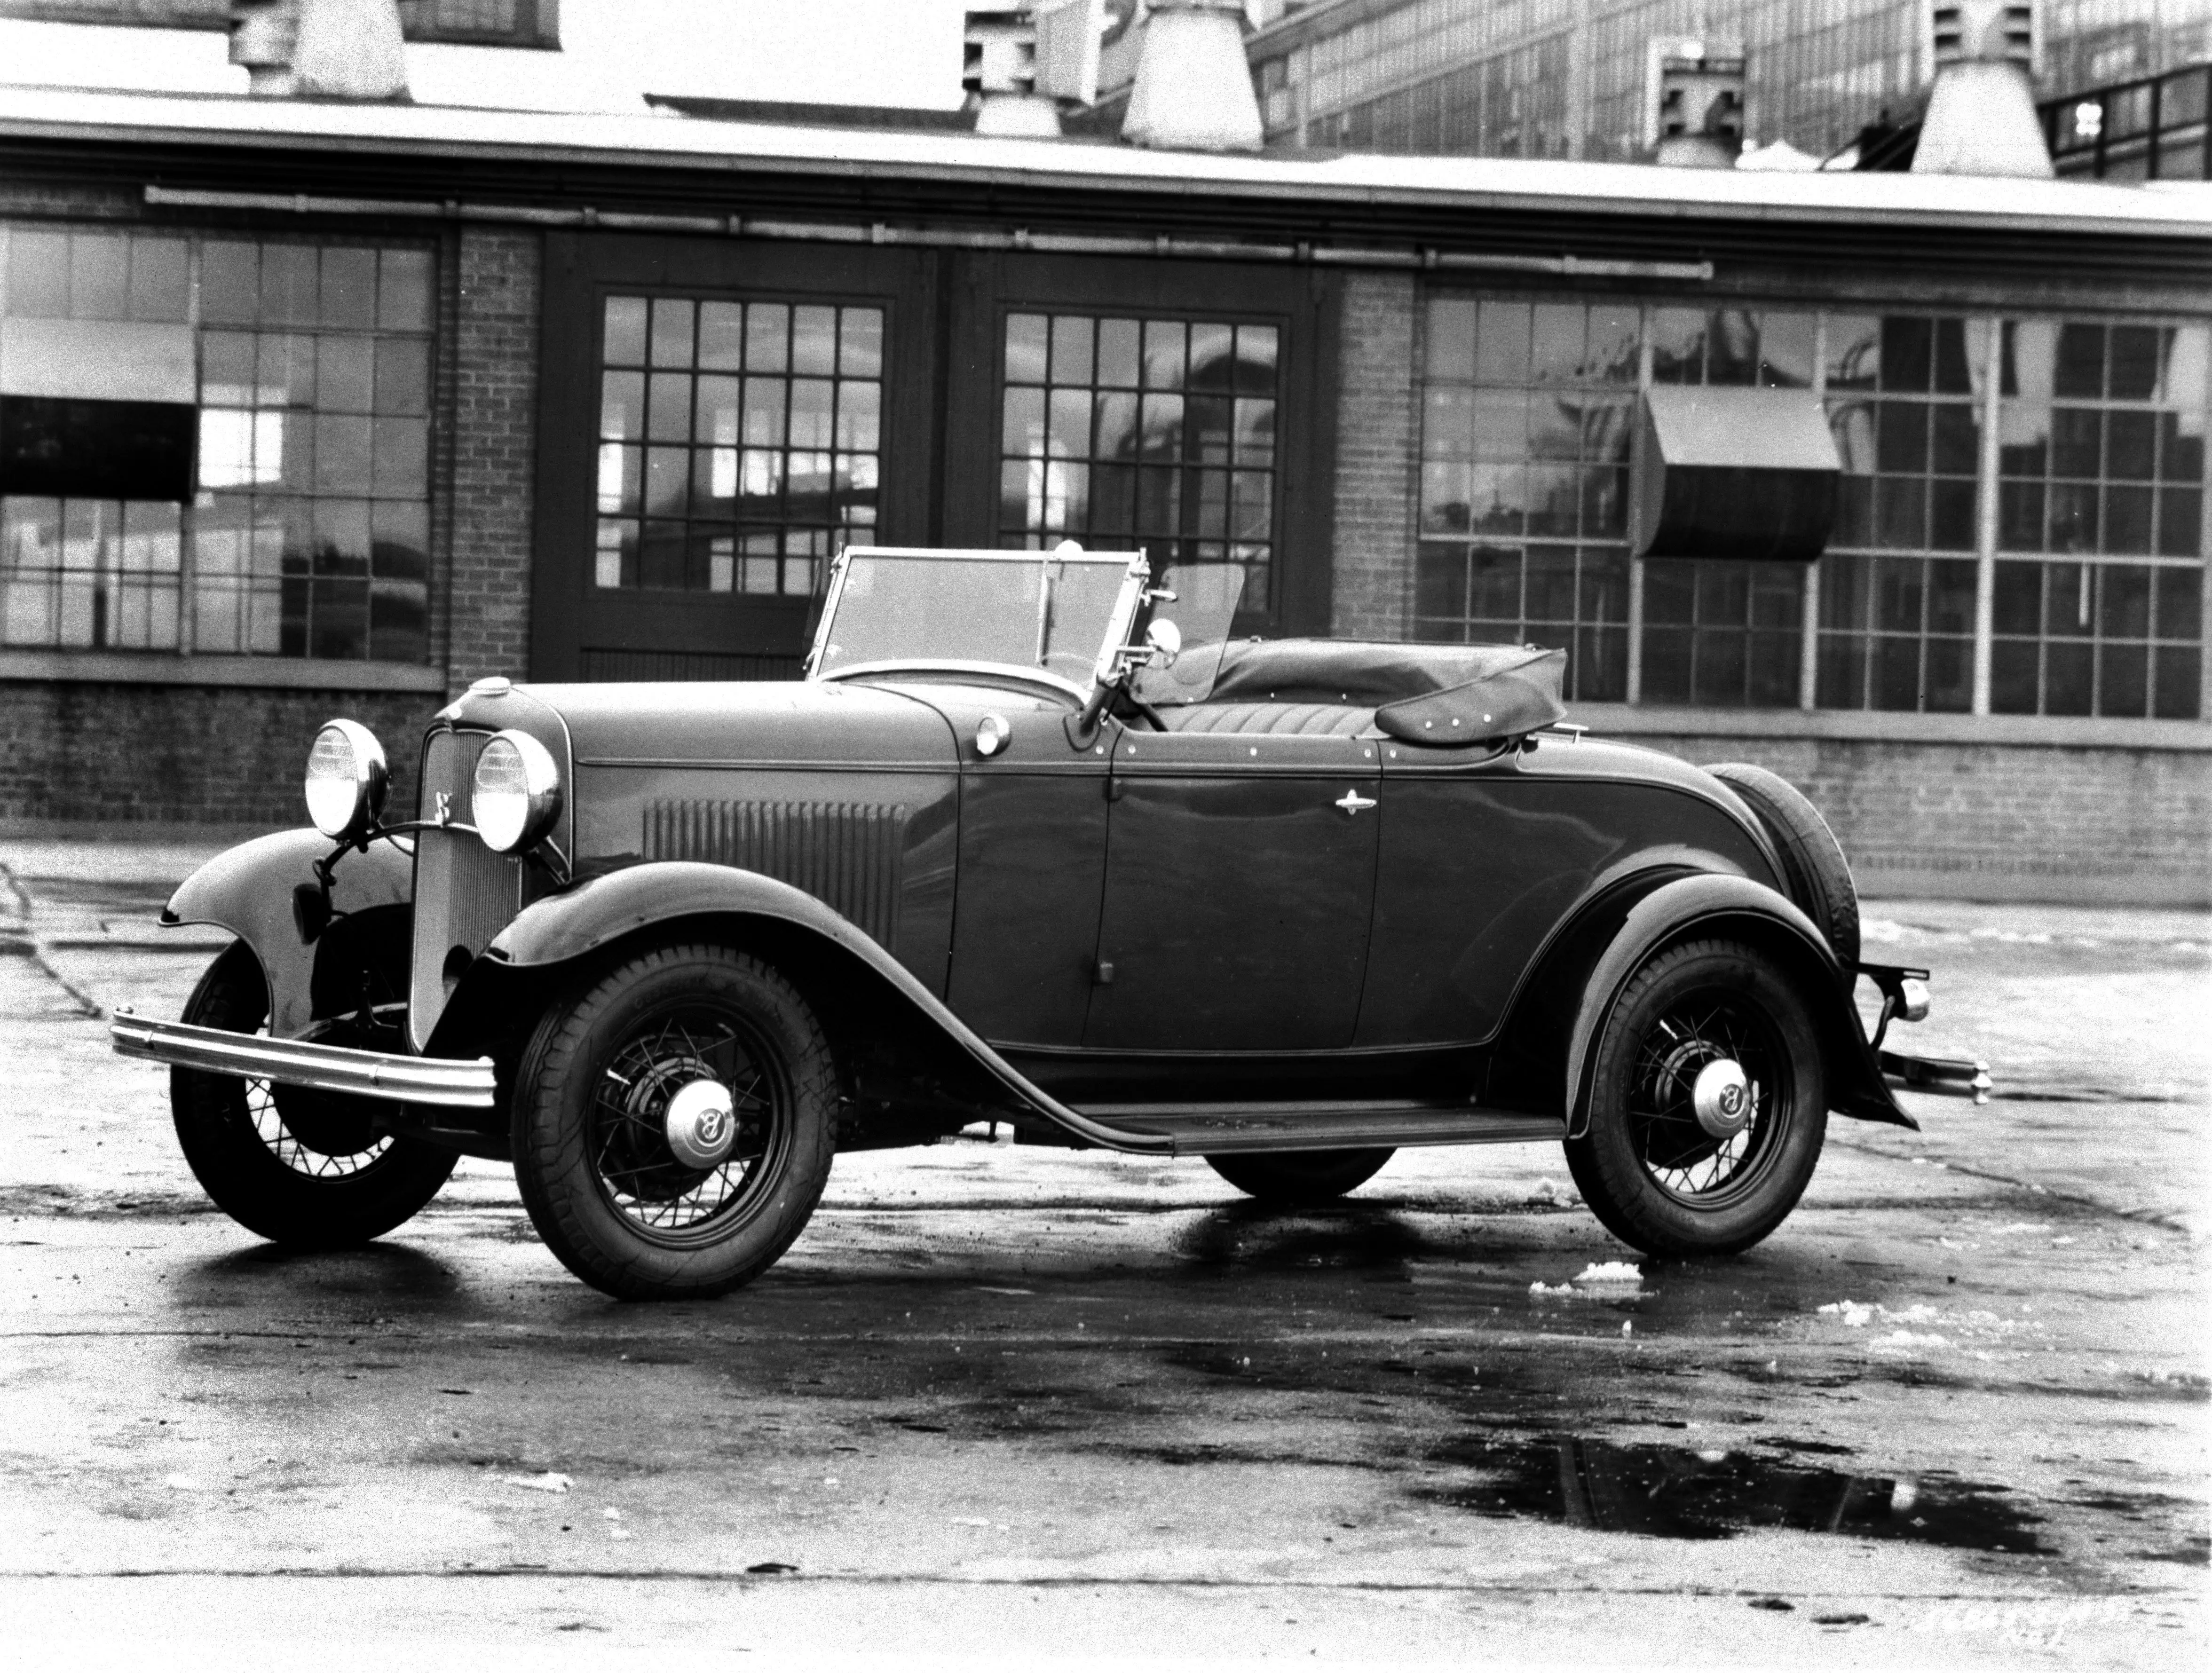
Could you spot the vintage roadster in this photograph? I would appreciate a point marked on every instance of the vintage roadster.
(1034, 840)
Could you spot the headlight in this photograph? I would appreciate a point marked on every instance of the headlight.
(346, 779)
(518, 792)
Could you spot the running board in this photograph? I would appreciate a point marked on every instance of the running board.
(1221, 1129)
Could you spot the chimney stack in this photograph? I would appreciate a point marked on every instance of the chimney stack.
(1693, 107)
(1194, 88)
(320, 49)
(1981, 113)
(999, 72)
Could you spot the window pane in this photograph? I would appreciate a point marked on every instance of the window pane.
(349, 289)
(722, 336)
(2177, 694)
(768, 337)
(2012, 677)
(1450, 338)
(230, 281)
(1502, 336)
(404, 290)
(625, 330)
(2180, 596)
(672, 324)
(1557, 342)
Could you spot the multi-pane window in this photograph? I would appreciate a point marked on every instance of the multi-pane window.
(216, 445)
(1527, 411)
(2100, 464)
(2094, 515)
(1720, 632)
(1897, 614)
(739, 442)
(1154, 433)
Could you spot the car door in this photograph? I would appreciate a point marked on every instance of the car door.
(1240, 878)
(1032, 863)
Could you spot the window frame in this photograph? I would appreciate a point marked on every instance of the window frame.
(1304, 306)
(219, 658)
(1985, 554)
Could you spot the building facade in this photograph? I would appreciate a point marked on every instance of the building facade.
(308, 409)
(1568, 78)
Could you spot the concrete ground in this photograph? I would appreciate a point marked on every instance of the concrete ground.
(1020, 1406)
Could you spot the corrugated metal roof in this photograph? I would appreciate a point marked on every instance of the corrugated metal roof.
(1471, 184)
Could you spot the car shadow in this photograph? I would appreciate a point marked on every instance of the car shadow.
(381, 1274)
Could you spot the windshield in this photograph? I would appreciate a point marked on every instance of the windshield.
(1024, 610)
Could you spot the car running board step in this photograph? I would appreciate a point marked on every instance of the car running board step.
(1221, 1129)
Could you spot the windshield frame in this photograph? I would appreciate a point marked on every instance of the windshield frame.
(1134, 570)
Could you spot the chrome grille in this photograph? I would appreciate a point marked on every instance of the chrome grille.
(464, 894)
(846, 855)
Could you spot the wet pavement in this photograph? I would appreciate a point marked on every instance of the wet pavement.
(1029, 1405)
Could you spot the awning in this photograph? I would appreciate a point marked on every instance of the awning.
(1737, 473)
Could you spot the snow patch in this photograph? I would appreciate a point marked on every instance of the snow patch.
(1610, 1272)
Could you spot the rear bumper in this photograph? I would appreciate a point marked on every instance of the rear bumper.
(1960, 1077)
(447, 1082)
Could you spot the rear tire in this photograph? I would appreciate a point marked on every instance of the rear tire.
(302, 1168)
(1657, 1178)
(604, 1186)
(1817, 876)
(1300, 1178)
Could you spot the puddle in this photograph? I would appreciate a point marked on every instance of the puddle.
(1679, 1493)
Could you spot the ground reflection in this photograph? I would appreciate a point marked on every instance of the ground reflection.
(1682, 1493)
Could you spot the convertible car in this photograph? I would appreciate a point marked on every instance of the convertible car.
(1034, 841)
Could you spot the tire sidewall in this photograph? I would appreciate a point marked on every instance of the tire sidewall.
(248, 1181)
(1613, 1180)
(552, 1116)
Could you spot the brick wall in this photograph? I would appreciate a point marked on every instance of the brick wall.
(493, 371)
(121, 755)
(1376, 443)
(2000, 822)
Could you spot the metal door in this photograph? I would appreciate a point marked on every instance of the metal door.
(1240, 880)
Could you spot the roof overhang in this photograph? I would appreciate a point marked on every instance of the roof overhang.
(1321, 182)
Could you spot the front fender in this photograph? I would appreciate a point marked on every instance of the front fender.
(247, 890)
(1753, 912)
(602, 909)
(690, 896)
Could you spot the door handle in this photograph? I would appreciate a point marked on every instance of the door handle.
(1352, 801)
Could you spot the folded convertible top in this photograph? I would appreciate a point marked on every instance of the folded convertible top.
(1424, 694)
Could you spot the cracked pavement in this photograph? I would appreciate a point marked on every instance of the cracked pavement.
(1028, 1405)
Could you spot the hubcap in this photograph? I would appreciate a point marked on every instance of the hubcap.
(702, 1124)
(1721, 1098)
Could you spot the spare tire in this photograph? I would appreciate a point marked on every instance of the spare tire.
(1813, 863)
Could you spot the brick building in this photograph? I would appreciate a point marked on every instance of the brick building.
(309, 409)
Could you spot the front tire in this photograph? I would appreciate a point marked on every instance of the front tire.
(1300, 1178)
(595, 1151)
(1657, 1177)
(305, 1168)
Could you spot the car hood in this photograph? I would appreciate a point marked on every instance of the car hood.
(688, 723)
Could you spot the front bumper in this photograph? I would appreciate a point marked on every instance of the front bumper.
(447, 1082)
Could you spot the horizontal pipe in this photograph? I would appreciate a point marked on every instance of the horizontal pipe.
(450, 1083)
(940, 238)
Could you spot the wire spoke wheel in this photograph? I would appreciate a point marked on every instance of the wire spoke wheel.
(1685, 1160)
(652, 1187)
(310, 1133)
(674, 1120)
(1706, 1107)
(304, 1168)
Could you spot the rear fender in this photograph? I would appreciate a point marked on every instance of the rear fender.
(1750, 912)
(249, 890)
(863, 992)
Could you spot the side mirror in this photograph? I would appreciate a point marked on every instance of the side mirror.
(1164, 640)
